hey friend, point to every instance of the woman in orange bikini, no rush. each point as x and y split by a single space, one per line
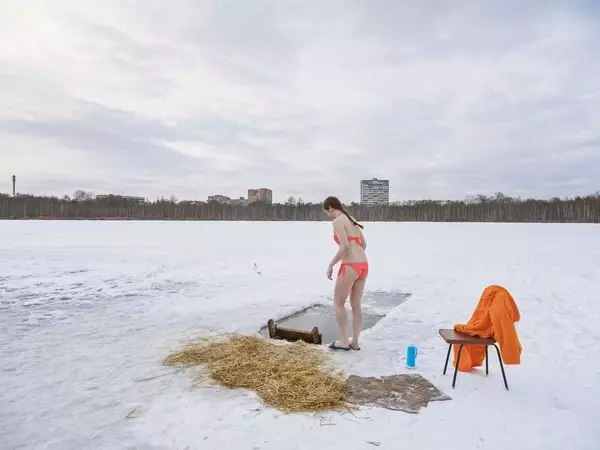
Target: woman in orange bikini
352 275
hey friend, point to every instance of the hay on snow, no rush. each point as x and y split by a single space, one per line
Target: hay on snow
289 377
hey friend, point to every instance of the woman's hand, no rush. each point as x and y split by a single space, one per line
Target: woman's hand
330 272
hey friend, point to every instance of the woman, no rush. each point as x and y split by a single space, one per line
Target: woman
352 275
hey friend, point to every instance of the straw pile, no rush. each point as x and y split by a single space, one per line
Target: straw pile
288 377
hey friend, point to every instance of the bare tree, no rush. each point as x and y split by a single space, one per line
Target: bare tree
82 196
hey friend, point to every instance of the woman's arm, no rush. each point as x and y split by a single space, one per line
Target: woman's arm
339 230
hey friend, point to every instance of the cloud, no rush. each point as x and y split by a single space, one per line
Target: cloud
445 99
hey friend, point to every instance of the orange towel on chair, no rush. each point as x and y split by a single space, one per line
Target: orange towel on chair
494 316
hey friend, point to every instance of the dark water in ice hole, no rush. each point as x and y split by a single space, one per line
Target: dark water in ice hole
376 305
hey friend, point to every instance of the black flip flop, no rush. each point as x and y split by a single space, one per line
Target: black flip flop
354 348
332 346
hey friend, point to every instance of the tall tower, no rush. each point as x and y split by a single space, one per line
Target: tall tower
374 192
14 178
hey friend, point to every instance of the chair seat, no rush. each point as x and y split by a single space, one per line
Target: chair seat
454 337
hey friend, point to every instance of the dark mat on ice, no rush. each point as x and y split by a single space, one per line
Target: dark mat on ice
402 392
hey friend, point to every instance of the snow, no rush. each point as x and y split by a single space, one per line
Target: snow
89 309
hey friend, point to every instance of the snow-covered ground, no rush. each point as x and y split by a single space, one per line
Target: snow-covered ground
89 309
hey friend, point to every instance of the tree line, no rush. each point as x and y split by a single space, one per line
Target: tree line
497 208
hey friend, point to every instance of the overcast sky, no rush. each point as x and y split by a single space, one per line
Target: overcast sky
192 98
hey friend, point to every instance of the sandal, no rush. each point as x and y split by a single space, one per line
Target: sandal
354 348
332 346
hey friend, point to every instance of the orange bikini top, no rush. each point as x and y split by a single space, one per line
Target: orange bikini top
350 238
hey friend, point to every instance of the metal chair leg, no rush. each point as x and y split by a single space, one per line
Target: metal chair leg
501 366
457 363
447 358
487 366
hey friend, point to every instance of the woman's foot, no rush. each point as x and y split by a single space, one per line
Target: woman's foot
335 346
353 345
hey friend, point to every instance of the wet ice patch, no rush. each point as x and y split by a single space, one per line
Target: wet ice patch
382 302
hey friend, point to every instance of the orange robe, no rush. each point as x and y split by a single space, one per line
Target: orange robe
494 316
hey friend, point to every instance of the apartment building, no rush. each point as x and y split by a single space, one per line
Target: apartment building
129 198
374 192
238 201
260 195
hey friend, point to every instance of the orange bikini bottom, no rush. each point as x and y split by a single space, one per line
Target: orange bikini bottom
361 268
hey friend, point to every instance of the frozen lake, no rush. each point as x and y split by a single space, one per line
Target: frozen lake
89 309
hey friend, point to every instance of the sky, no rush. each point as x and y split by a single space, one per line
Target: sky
190 98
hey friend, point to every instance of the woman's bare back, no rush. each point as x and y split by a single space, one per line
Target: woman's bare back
355 253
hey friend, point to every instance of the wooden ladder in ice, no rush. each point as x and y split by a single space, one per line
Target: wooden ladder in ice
292 335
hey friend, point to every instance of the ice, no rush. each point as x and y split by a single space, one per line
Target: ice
89 309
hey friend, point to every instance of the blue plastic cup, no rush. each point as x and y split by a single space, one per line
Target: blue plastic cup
411 356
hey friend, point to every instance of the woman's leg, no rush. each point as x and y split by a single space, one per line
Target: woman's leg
343 285
356 303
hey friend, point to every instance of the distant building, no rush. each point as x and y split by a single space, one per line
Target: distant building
238 201
374 192
260 195
128 198
218 198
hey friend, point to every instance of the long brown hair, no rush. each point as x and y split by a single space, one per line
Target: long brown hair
334 202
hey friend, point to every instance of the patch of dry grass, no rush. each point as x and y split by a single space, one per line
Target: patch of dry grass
289 377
